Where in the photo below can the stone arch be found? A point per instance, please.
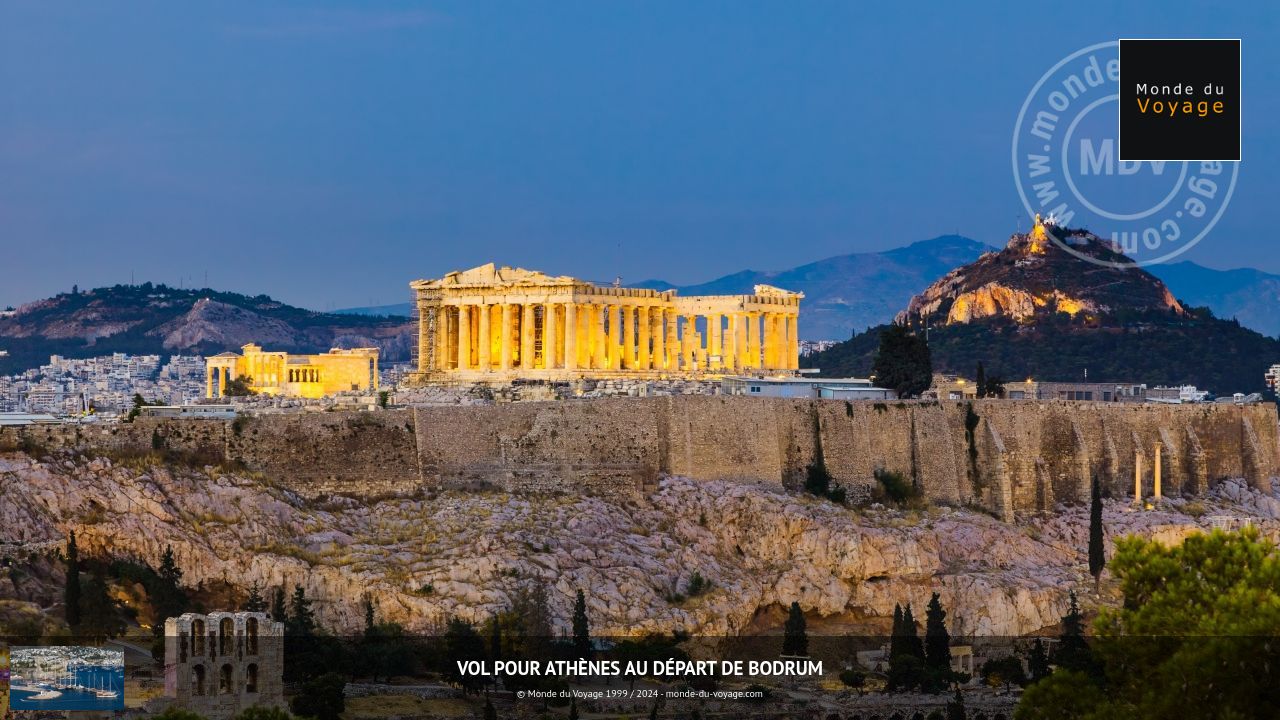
(226, 680)
(251, 678)
(226, 635)
(251, 636)
(198, 680)
(197, 637)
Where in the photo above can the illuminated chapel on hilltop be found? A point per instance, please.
(500, 324)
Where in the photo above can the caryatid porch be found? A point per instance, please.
(501, 324)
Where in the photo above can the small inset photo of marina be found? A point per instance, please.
(66, 678)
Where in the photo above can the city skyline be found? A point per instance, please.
(326, 155)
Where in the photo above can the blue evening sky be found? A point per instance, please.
(328, 153)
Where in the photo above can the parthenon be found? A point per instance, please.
(497, 324)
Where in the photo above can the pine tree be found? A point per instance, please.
(903, 362)
(937, 645)
(795, 640)
(581, 628)
(255, 602)
(1097, 553)
(71, 596)
(278, 611)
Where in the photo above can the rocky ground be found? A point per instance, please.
(438, 555)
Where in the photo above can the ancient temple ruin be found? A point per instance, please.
(498, 324)
(219, 664)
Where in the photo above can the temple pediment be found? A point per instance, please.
(771, 291)
(490, 275)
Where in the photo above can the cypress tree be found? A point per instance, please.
(937, 645)
(981, 381)
(368, 616)
(278, 612)
(895, 639)
(911, 634)
(490, 713)
(71, 595)
(1097, 554)
(302, 621)
(795, 639)
(581, 628)
(573, 709)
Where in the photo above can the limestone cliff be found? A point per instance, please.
(428, 556)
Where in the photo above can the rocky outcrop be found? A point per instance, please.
(214, 323)
(1036, 275)
(463, 554)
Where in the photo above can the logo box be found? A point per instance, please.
(1180, 100)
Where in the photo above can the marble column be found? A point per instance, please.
(614, 360)
(730, 345)
(550, 339)
(642, 340)
(485, 343)
(208, 381)
(505, 339)
(424, 320)
(599, 341)
(570, 336)
(769, 340)
(658, 329)
(753, 340)
(464, 337)
(628, 337)
(673, 340)
(444, 338)
(527, 323)
(715, 344)
(688, 342)
(793, 341)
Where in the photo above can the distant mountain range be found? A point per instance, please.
(849, 293)
(1033, 309)
(155, 319)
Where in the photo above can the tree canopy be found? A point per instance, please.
(1195, 636)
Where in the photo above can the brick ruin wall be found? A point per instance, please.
(1006, 455)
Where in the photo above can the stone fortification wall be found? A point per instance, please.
(1008, 456)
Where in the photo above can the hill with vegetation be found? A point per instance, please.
(1036, 310)
(157, 319)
